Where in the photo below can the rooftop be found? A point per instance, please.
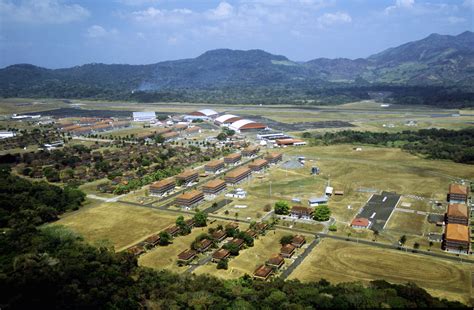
(360, 221)
(458, 210)
(187, 254)
(214, 183)
(287, 249)
(258, 162)
(215, 163)
(162, 183)
(457, 232)
(234, 155)
(190, 195)
(238, 172)
(220, 254)
(275, 260)
(187, 174)
(458, 189)
(263, 271)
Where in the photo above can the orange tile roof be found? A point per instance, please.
(259, 162)
(457, 232)
(186, 174)
(220, 254)
(273, 155)
(215, 163)
(214, 183)
(360, 221)
(233, 156)
(162, 183)
(190, 195)
(457, 210)
(288, 141)
(458, 189)
(275, 260)
(263, 271)
(238, 172)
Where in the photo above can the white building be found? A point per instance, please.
(7, 134)
(147, 116)
(226, 119)
(203, 114)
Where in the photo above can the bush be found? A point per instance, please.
(333, 228)
(223, 264)
(282, 207)
(322, 213)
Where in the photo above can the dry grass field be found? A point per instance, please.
(165, 257)
(117, 223)
(407, 223)
(339, 261)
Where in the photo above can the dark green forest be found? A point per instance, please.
(455, 145)
(53, 268)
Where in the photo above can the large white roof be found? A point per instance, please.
(225, 117)
(144, 114)
(238, 124)
(208, 112)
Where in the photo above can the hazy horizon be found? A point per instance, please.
(58, 34)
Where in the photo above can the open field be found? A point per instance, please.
(339, 261)
(407, 223)
(165, 257)
(120, 224)
(250, 258)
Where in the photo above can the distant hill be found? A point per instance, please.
(436, 61)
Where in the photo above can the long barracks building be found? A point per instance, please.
(189, 199)
(162, 187)
(238, 175)
(214, 187)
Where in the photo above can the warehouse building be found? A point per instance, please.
(245, 125)
(204, 114)
(226, 119)
(148, 116)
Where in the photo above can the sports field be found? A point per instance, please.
(119, 224)
(339, 261)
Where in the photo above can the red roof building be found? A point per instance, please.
(360, 222)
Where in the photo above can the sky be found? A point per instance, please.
(65, 33)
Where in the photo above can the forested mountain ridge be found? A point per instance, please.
(440, 61)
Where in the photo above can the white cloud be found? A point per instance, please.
(42, 12)
(329, 19)
(468, 4)
(455, 20)
(138, 2)
(157, 16)
(222, 11)
(97, 31)
(400, 4)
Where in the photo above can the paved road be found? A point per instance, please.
(202, 262)
(285, 274)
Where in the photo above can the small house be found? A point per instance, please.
(287, 250)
